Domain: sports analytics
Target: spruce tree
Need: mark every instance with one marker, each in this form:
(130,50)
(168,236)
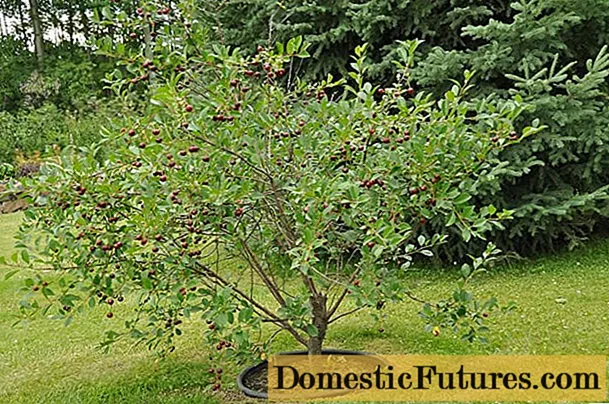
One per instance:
(545,50)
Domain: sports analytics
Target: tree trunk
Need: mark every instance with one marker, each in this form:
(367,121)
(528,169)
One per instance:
(84,20)
(320,321)
(71,23)
(21,28)
(3,21)
(315,345)
(37,25)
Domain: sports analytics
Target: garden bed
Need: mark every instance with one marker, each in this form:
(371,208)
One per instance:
(10,202)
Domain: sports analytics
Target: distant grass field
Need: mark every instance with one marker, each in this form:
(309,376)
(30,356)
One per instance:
(46,362)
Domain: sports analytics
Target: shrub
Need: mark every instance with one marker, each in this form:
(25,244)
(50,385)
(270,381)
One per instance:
(71,77)
(44,129)
(16,63)
(242,196)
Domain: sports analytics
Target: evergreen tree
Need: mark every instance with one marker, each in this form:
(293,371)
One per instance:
(557,181)
(335,28)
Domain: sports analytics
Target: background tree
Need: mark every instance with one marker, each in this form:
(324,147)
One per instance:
(38,34)
(336,28)
(58,102)
(556,183)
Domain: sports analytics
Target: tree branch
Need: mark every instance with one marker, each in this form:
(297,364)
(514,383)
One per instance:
(345,314)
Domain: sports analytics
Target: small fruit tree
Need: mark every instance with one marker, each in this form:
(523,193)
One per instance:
(244,196)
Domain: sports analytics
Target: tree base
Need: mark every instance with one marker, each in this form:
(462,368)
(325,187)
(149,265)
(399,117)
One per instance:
(253,380)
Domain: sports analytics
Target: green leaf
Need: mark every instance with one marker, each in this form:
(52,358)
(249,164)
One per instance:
(291,48)
(10,274)
(245,314)
(461,199)
(107,13)
(25,256)
(221,319)
(377,250)
(466,234)
(312,330)
(146,283)
(451,219)
(466,270)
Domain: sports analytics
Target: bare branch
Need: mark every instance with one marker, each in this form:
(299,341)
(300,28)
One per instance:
(347,313)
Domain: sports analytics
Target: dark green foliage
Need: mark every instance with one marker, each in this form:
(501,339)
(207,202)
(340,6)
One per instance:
(16,64)
(45,128)
(555,182)
(79,74)
(56,105)
(71,77)
(335,28)
(526,41)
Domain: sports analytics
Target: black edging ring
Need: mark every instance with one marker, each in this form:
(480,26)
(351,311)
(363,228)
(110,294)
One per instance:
(252,369)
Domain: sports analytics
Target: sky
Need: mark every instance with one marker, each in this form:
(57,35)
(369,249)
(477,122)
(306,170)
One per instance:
(51,34)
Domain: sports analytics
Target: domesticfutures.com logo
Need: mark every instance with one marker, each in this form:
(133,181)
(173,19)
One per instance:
(437,378)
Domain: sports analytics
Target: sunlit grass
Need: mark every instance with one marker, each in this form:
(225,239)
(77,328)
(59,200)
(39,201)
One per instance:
(47,362)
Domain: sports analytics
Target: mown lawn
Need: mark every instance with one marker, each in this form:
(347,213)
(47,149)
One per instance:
(563,308)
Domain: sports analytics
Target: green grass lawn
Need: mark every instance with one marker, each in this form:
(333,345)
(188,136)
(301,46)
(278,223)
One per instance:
(45,362)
